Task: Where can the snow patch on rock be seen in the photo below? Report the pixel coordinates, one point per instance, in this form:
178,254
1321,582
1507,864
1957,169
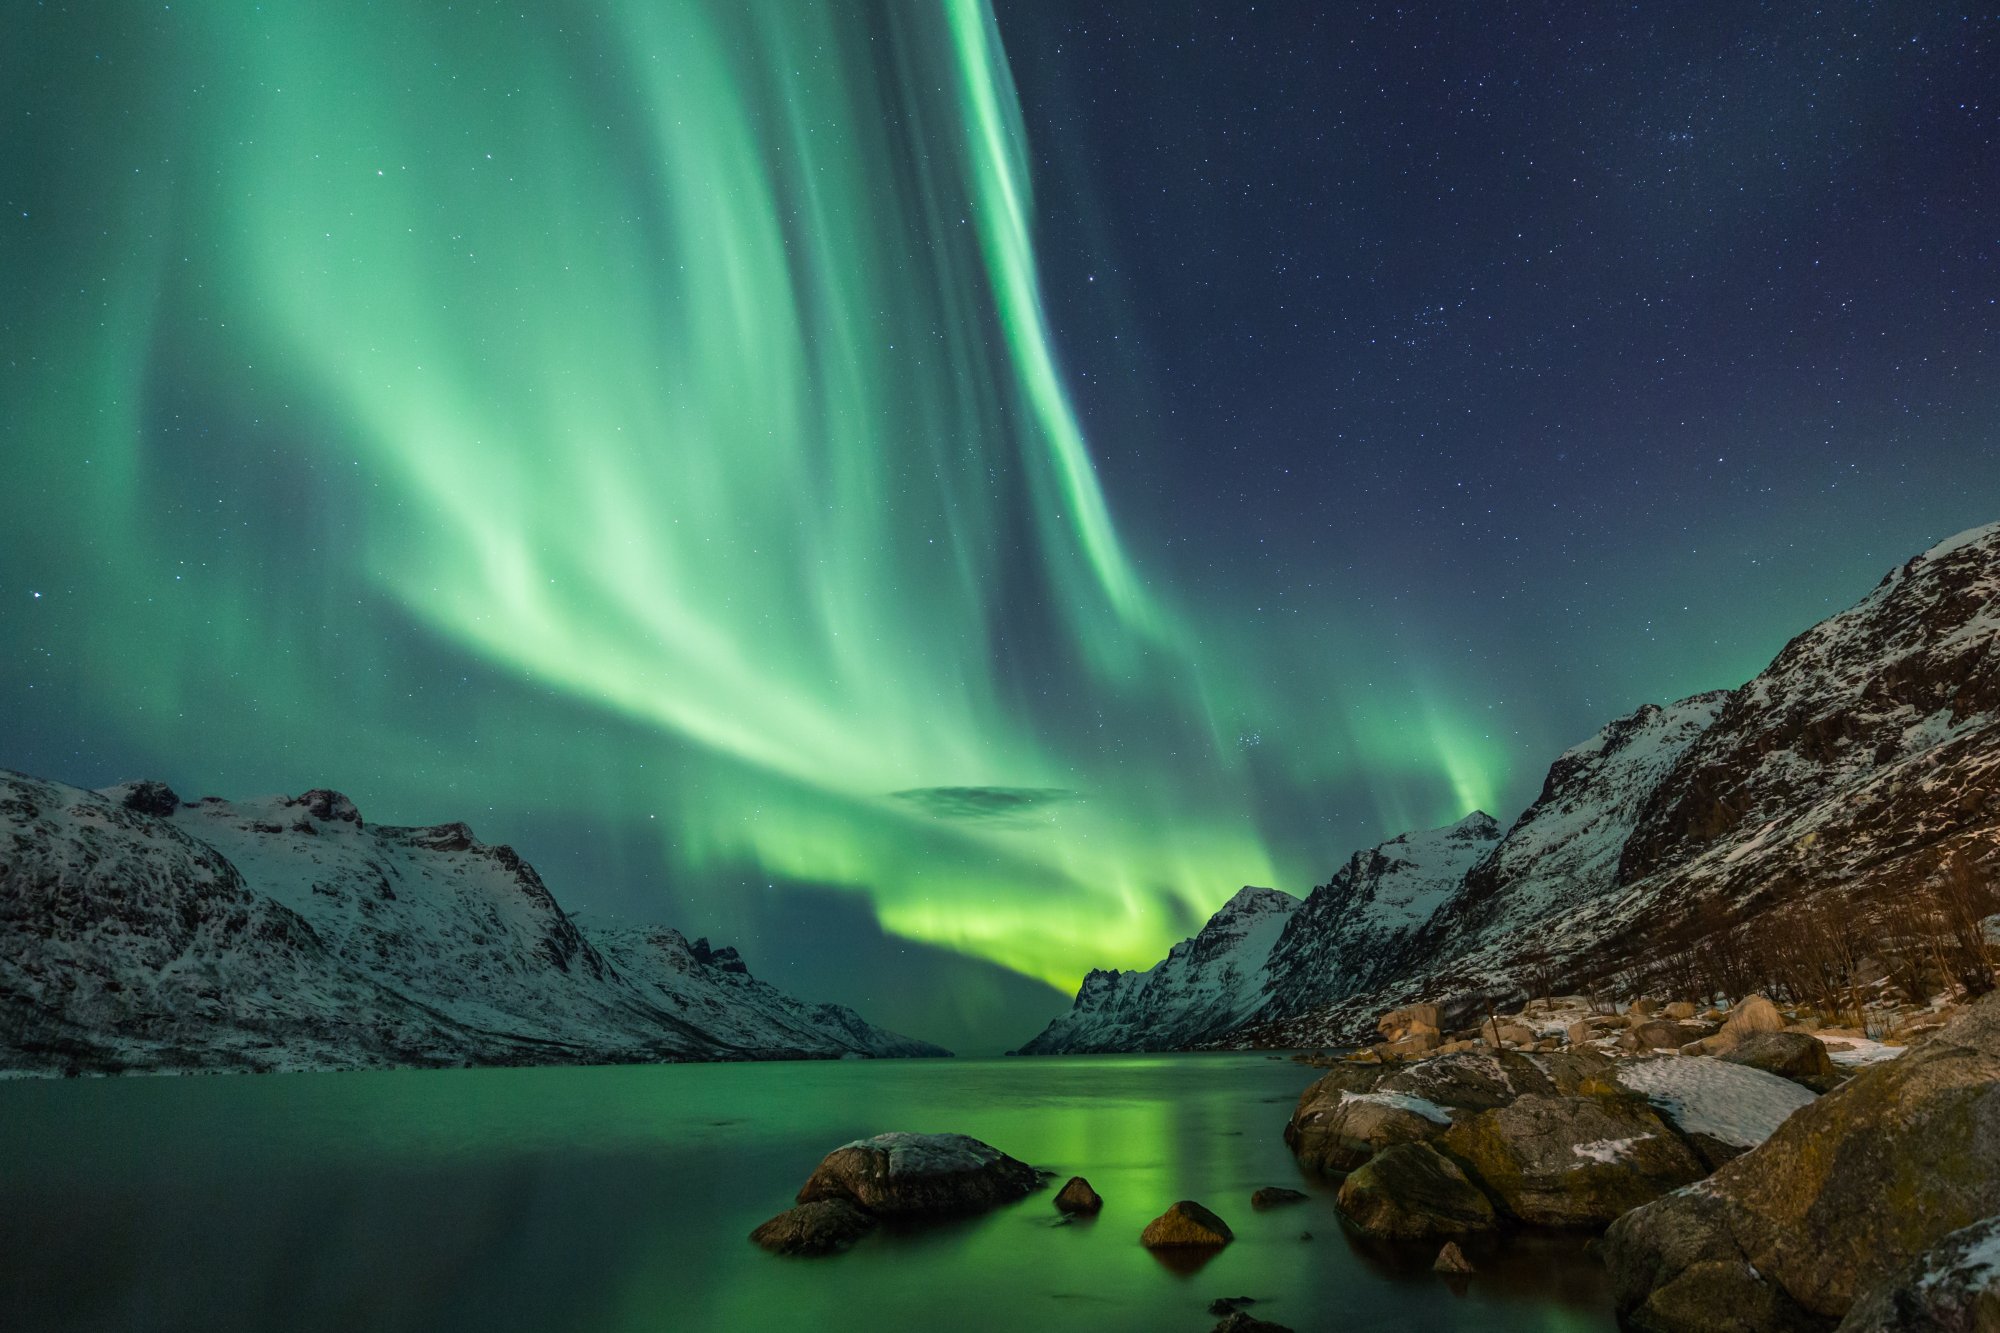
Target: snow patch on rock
1402,1101
1734,1103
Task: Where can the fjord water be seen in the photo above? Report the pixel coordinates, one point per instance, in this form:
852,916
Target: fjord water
620,1198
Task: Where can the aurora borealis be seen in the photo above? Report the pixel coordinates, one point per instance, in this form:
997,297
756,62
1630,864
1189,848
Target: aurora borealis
691,441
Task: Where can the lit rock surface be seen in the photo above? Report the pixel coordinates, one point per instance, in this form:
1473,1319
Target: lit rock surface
1186,1225
920,1173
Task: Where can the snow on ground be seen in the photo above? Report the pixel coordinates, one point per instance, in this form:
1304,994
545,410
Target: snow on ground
1607,1151
1734,1103
1853,1052
1981,1261
1402,1101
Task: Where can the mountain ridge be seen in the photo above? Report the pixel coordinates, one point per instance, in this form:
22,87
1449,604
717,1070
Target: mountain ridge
1863,762
142,932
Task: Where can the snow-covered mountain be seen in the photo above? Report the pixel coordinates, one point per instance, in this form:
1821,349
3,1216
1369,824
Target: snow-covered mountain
1857,763
1339,939
1205,986
138,931
1265,954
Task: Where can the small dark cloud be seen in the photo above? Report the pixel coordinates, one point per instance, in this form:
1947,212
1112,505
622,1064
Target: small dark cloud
1003,803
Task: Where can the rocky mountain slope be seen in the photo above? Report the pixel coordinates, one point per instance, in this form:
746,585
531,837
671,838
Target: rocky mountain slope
1338,941
1860,763
141,932
1264,948
1206,985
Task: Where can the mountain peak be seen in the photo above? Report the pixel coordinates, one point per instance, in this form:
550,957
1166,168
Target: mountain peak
1250,899
1478,824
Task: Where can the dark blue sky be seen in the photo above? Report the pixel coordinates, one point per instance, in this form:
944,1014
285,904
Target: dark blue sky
1609,345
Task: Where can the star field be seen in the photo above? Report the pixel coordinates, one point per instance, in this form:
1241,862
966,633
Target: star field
942,497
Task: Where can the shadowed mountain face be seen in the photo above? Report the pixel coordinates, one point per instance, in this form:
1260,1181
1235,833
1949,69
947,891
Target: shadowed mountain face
1860,763
1208,984
1338,941
141,932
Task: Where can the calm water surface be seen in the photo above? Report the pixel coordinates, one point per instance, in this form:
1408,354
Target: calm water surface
620,1198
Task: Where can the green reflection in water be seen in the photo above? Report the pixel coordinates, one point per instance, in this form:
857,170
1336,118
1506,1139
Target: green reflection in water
619,1199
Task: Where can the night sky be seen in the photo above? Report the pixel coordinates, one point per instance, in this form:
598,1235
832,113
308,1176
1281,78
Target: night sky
941,497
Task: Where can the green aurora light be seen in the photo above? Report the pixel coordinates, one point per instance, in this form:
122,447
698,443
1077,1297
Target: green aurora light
687,367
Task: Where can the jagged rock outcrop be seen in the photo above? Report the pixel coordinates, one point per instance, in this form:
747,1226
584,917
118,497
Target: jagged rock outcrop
1907,674
141,932
1265,952
1207,985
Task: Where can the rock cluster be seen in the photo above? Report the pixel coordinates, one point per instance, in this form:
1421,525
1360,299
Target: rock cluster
1481,1134
1845,1199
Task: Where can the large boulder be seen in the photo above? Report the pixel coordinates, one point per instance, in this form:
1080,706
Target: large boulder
820,1227
1722,1296
1414,1192
1470,1080
1398,1021
1572,1161
1798,1056
1842,1195
1352,1113
1661,1034
1344,1129
1186,1225
1346,1076
1751,1015
1953,1287
920,1173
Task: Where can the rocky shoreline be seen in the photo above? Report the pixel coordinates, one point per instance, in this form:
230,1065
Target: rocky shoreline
1749,1169
1738,1168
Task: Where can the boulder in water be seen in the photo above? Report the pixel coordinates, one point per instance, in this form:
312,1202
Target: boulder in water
1414,1192
1186,1225
823,1226
1451,1259
1078,1197
1272,1196
915,1174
